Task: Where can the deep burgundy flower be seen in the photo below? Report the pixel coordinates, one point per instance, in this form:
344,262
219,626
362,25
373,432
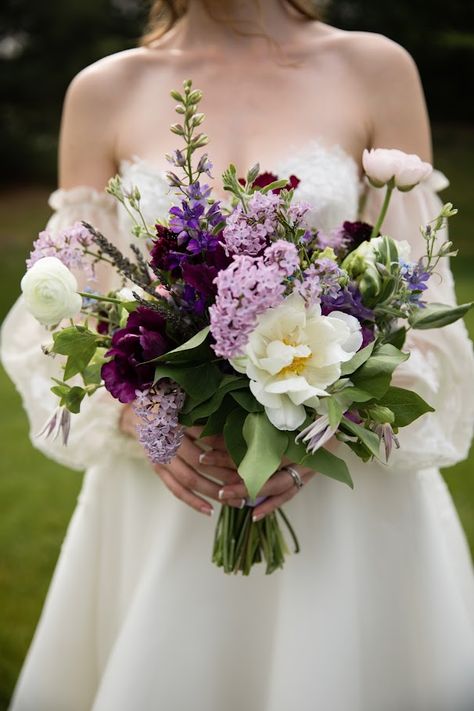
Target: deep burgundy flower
355,233
264,179
142,339
163,246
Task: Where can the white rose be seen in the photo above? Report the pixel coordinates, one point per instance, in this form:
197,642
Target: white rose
293,355
384,164
50,291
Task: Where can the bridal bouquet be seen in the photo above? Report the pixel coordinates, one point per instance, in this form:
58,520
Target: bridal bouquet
245,320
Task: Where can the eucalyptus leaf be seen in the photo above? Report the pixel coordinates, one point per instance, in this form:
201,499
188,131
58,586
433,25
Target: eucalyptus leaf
438,315
265,447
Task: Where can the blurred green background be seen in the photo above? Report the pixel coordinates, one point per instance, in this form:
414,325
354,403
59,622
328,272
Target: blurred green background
42,46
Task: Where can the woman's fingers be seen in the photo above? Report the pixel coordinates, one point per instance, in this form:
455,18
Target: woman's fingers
274,502
277,484
183,494
223,472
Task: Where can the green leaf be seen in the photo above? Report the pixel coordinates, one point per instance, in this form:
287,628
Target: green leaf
375,375
265,447
276,184
79,344
227,385
199,382
406,405
357,360
360,449
367,437
233,435
216,422
70,397
438,315
396,338
247,401
326,463
194,349
92,374
335,411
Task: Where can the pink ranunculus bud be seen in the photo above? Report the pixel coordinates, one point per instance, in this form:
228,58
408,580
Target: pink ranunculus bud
384,164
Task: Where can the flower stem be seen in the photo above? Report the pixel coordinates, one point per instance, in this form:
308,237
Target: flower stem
98,297
383,211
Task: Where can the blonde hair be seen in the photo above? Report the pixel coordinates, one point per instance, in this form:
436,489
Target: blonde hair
164,14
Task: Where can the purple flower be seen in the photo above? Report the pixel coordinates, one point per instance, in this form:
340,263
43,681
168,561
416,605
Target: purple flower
348,300
247,288
346,238
250,232
142,339
321,279
415,278
387,436
68,246
284,255
159,430
264,179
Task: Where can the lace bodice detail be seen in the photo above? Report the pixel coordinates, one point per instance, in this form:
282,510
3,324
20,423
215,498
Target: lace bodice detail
329,182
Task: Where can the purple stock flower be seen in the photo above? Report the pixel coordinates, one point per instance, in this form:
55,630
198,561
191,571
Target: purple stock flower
142,339
247,288
159,430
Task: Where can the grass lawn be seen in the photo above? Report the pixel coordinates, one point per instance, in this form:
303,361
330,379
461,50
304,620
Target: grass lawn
38,496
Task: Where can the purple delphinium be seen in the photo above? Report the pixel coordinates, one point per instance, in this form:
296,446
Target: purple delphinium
68,245
159,430
247,288
251,231
142,339
415,278
284,255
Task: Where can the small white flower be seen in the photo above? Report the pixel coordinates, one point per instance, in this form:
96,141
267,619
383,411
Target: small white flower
384,164
126,293
50,291
293,355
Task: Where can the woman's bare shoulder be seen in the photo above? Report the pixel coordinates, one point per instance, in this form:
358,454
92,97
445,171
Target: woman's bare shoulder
106,79
373,56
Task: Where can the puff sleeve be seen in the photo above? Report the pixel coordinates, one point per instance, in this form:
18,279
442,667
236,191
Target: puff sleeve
95,430
441,365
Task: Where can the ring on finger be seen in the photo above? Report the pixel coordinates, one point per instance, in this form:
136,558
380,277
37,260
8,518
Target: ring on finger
297,480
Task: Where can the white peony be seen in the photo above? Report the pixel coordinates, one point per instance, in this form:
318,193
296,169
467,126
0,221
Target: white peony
384,164
50,291
293,355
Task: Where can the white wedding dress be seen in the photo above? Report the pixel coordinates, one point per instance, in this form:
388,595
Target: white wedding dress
375,614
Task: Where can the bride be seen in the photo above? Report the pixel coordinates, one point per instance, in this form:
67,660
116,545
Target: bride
377,611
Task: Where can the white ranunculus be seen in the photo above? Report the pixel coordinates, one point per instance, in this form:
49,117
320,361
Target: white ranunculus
293,355
384,164
50,291
368,248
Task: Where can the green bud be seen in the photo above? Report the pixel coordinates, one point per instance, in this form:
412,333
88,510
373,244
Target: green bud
180,109
380,414
177,128
195,96
176,96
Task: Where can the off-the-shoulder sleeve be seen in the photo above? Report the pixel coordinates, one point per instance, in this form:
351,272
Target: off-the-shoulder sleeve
95,430
441,365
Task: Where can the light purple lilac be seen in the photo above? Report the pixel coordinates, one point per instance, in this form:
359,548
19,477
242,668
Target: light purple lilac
247,288
321,278
68,245
159,430
250,232
284,255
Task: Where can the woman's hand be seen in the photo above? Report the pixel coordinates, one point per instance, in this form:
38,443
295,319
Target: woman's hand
191,473
279,489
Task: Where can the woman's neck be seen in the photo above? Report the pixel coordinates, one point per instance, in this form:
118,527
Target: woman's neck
237,25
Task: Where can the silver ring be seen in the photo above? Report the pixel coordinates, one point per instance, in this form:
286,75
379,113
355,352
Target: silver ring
298,482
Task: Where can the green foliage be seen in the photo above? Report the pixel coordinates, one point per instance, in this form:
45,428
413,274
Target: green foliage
406,405
265,447
375,375
79,344
438,315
